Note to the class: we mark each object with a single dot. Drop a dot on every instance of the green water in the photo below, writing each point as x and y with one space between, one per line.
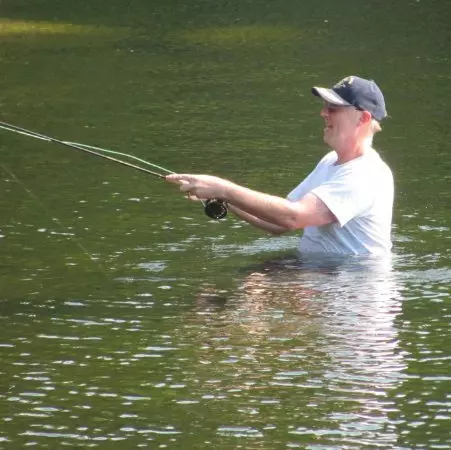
131 320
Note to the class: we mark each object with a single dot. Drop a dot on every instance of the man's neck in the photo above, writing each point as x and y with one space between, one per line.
350 152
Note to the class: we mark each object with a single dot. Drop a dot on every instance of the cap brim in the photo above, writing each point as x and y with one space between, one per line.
330 96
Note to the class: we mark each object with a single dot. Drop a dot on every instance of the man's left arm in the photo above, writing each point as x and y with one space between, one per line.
310 210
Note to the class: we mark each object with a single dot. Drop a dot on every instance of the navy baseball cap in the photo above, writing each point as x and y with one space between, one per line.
355 91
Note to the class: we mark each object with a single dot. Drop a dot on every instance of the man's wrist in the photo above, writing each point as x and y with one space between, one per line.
227 191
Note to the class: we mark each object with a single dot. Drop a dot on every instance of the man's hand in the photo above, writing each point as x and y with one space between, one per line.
201 186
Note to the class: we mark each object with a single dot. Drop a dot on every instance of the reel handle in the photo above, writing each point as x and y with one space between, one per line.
216 208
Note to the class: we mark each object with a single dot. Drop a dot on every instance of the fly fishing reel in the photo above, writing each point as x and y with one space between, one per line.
215 208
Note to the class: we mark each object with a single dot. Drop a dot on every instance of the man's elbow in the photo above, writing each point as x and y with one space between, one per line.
294 225
295 220
300 218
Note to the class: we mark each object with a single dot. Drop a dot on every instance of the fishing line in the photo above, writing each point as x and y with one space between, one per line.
214 208
55 219
15 129
114 152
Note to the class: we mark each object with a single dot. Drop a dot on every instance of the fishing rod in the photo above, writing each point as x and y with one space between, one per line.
214 208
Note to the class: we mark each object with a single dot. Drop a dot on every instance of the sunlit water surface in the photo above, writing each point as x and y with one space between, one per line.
279 352
128 319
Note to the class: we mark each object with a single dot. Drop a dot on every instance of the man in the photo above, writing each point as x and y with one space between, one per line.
345 204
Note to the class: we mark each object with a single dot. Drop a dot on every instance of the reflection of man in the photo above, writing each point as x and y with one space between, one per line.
321 342
345 204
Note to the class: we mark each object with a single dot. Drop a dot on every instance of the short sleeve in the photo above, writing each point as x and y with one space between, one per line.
346 195
315 178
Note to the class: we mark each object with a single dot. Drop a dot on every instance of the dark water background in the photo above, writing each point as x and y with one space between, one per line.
131 320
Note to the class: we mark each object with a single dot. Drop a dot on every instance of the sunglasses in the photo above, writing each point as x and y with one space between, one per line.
333 108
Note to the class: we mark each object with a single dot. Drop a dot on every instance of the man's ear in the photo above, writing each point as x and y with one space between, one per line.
365 117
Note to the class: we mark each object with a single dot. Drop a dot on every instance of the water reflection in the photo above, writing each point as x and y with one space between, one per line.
316 338
300 354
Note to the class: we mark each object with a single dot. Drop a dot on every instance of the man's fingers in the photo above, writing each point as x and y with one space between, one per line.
192 197
185 181
178 178
186 187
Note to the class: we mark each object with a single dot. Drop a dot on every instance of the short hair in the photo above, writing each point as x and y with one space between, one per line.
375 126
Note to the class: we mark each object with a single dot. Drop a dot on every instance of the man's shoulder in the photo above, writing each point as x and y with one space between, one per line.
328 159
377 164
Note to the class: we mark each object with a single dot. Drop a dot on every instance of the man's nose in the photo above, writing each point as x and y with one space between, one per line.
324 112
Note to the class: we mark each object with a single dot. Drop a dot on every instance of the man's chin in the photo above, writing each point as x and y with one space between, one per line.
327 140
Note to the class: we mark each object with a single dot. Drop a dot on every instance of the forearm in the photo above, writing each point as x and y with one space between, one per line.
255 221
278 212
270 209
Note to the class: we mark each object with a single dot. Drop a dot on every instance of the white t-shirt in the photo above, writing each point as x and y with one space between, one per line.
360 195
